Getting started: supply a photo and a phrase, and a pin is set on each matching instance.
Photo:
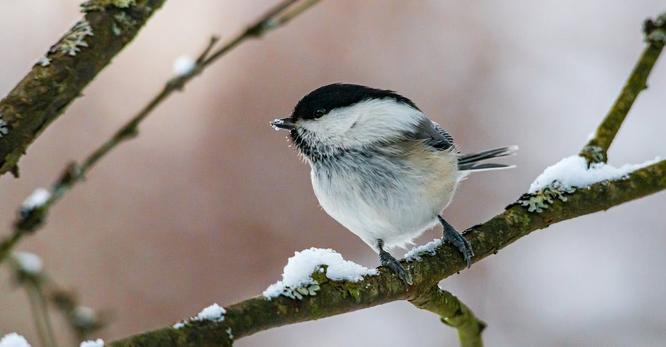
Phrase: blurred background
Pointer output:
(207, 204)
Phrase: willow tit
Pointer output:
(380, 167)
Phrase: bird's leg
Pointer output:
(390, 262)
(458, 241)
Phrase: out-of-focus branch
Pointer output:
(30, 220)
(40, 313)
(596, 150)
(453, 313)
(60, 76)
(42, 290)
(336, 297)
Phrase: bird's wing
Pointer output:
(433, 135)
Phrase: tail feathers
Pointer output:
(470, 162)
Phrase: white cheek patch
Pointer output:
(332, 125)
(364, 123)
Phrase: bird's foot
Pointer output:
(394, 265)
(458, 241)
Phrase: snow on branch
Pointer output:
(574, 172)
(13, 340)
(213, 313)
(297, 278)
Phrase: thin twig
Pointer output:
(32, 283)
(596, 150)
(42, 333)
(42, 290)
(43, 308)
(31, 220)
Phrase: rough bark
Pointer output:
(59, 78)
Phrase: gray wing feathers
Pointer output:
(433, 135)
(438, 139)
(470, 162)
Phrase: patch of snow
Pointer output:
(4, 127)
(14, 340)
(44, 61)
(183, 65)
(29, 262)
(415, 253)
(213, 313)
(84, 316)
(573, 172)
(297, 273)
(92, 343)
(35, 200)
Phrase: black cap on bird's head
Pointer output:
(322, 100)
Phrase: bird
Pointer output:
(380, 167)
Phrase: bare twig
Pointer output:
(31, 282)
(41, 290)
(596, 150)
(39, 317)
(29, 221)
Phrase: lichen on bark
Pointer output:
(59, 77)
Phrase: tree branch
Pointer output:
(336, 297)
(41, 289)
(60, 76)
(453, 313)
(29, 221)
(596, 150)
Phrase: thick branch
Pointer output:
(596, 150)
(55, 81)
(453, 313)
(257, 314)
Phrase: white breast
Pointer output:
(393, 198)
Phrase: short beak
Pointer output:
(283, 123)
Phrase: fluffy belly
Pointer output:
(394, 206)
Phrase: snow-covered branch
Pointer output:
(340, 296)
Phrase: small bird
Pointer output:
(380, 167)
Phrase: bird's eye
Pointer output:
(320, 112)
